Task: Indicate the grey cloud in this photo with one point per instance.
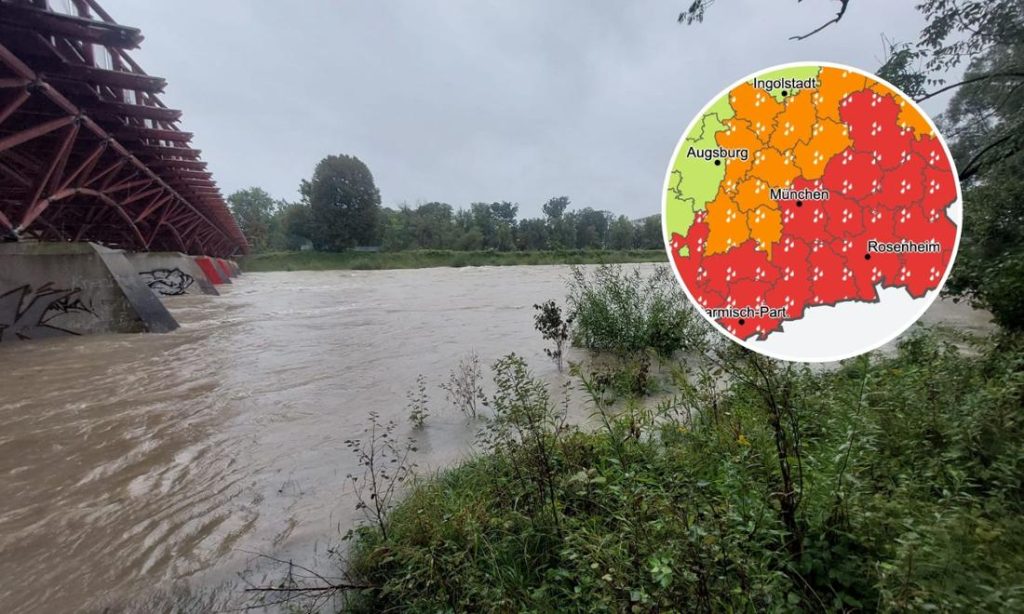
(474, 101)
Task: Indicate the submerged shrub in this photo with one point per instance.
(386, 465)
(463, 388)
(628, 377)
(419, 403)
(621, 310)
(553, 327)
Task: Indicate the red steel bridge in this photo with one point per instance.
(88, 152)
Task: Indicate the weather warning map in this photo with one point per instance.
(812, 212)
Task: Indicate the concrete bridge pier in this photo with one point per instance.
(171, 273)
(61, 289)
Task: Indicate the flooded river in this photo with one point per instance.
(134, 464)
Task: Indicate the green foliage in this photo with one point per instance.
(532, 235)
(429, 226)
(419, 403)
(344, 203)
(269, 224)
(626, 312)
(628, 377)
(463, 388)
(525, 425)
(555, 207)
(254, 211)
(324, 261)
(621, 233)
(386, 466)
(495, 226)
(553, 327)
(342, 193)
(985, 121)
(291, 227)
(908, 473)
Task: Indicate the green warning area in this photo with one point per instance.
(788, 81)
(694, 183)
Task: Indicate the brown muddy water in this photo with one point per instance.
(139, 466)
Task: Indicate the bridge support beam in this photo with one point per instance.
(67, 289)
(213, 272)
(171, 273)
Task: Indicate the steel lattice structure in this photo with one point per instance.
(88, 152)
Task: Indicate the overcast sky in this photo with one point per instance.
(465, 101)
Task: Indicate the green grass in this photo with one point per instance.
(419, 259)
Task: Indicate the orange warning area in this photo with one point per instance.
(795, 122)
(836, 84)
(728, 225)
(827, 139)
(756, 106)
(774, 168)
(765, 227)
(909, 117)
(783, 140)
(751, 194)
(737, 135)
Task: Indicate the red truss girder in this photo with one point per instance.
(89, 152)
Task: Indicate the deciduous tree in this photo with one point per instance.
(344, 202)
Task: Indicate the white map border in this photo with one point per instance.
(842, 329)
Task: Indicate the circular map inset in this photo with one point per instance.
(812, 212)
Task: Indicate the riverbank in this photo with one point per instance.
(890, 483)
(421, 259)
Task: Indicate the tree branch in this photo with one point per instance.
(995, 75)
(328, 585)
(972, 167)
(843, 5)
(308, 589)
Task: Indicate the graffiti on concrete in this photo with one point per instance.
(168, 282)
(34, 314)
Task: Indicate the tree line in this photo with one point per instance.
(340, 209)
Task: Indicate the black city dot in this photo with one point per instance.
(799, 203)
(742, 322)
(785, 93)
(867, 256)
(718, 163)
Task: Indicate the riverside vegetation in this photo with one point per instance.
(419, 259)
(891, 482)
